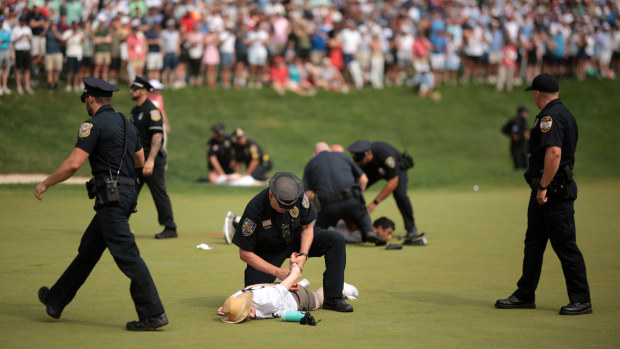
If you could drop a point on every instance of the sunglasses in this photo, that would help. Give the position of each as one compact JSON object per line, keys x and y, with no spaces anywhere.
{"x":285,"y":205}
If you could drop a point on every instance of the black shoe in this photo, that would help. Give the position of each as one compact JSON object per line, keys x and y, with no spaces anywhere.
{"x":148,"y":324}
{"x":413,"y":239}
{"x":167,"y":234}
{"x":337,"y":304}
{"x":513,"y":302}
{"x":376,"y":239}
{"x":49,"y":308}
{"x":576,"y":309}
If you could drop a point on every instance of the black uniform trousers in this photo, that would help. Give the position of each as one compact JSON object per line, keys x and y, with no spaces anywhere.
{"x":403,"y":202}
{"x":110,"y":228}
{"x":352,"y":209}
{"x":555,"y":221}
{"x":260,"y":172}
{"x":327,"y":243}
{"x":518,"y":151}
{"x":157,"y":185}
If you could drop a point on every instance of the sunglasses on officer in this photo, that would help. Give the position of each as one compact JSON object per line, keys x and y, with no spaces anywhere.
{"x":83,"y":97}
{"x":287,"y":205}
{"x":358,"y":157}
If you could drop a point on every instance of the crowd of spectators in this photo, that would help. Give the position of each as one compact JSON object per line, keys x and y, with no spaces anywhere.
{"x":304,"y":45}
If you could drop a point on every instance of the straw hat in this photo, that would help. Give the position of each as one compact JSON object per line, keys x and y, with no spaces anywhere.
{"x":237,"y":309}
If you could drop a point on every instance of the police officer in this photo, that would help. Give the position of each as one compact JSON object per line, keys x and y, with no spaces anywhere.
{"x":219,"y":154}
{"x":551,"y":214}
{"x":380,"y":160}
{"x":111,"y":145}
{"x":518,"y":131}
{"x":278,"y":223}
{"x":148,"y":120}
{"x":336,"y":183}
{"x":250,"y":154}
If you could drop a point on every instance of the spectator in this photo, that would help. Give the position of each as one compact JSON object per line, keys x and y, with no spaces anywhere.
{"x":171,"y":42}
{"x":88,"y":50}
{"x":195,"y":43}
{"x":227,"y":40}
{"x":278,"y":72}
{"x":257,"y":53}
{"x":155,"y":57}
{"x":119,"y":35}
{"x":73,"y":39}
{"x":403,"y":42}
{"x":102,"y":40}
{"x":211,"y":58}
{"x":329,"y":77}
{"x":136,"y":50}
{"x":242,"y":43}
{"x":73,"y":8}
{"x":6,"y":56}
{"x":53,"y":56}
{"x":36,"y":21}
{"x":21,"y":37}
{"x":377,"y":61}
{"x":507,"y":66}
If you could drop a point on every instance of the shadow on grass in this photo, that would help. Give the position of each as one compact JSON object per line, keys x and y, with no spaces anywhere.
{"x":38,"y":314}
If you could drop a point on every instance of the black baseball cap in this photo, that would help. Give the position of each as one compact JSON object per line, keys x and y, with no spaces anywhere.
{"x":97,"y":88}
{"x":218,"y":129}
{"x":544,"y":83}
{"x":287,"y":188}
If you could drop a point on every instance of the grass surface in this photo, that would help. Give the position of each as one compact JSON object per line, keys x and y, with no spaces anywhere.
{"x":437,"y":296}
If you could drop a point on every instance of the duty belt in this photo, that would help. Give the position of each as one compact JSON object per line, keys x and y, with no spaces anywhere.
{"x":347,"y":193}
{"x":101,"y":181}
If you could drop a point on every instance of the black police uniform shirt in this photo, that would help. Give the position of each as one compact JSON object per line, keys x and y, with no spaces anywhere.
{"x":554,"y":126}
{"x":102,"y":137}
{"x":330,"y":173}
{"x":148,"y":121}
{"x":516,"y":126}
{"x":223,"y":153}
{"x":384,"y":164}
{"x":260,"y":229}
{"x":248,"y":152}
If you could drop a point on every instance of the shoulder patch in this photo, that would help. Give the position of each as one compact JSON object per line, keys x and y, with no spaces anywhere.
{"x":85,"y":129}
{"x":294,"y":212}
{"x":545,"y":123}
{"x":155,"y":115}
{"x":248,"y":227}
{"x":390,"y":162}
{"x":305,"y":202}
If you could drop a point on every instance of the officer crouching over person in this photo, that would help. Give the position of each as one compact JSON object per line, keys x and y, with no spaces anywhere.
{"x":551,"y":213}
{"x":148,"y":120}
{"x":380,"y":160}
{"x":111,"y":145}
{"x":278,"y":223}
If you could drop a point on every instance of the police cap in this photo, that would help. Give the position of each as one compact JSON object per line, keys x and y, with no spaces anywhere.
{"x":139,"y":83}
{"x":97,"y":88}
{"x":238,"y":133}
{"x":287,"y":188}
{"x":218,"y":129}
{"x":544,"y":83}
{"x":360,"y":146}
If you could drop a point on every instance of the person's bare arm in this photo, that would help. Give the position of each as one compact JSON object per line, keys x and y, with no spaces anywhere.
{"x":156,"y":141}
{"x":68,"y":167}
{"x":256,"y":262}
{"x":553,"y":155}
{"x":385,"y":192}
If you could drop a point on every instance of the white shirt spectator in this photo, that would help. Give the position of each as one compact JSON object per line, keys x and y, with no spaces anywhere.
{"x":73,"y":39}
{"x":351,"y":40}
{"x":227,"y":40}
{"x":21,"y":36}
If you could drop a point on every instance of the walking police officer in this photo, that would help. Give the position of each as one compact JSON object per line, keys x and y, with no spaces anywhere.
{"x":250,"y":154}
{"x":148,"y":120}
{"x":380,"y":160}
{"x":551,"y":214}
{"x":278,"y":223}
{"x":111,"y":145}
{"x":335,"y":184}
{"x":518,"y":131}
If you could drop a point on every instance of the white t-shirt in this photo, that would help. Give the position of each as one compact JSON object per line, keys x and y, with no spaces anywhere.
{"x":351,"y":40}
{"x":73,"y":39}
{"x":271,"y":301}
{"x":227,"y":40}
{"x":22,"y":44}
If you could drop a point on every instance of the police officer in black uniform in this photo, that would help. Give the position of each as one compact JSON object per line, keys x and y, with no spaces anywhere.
{"x":334,"y":182}
{"x":250,"y":154}
{"x":219,"y":154}
{"x":147,"y":118}
{"x":278,"y":223}
{"x":518,"y":131}
{"x":380,"y":160}
{"x":551,"y":214}
{"x":111,"y":145}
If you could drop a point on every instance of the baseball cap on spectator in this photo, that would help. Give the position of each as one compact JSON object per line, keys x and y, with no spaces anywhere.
{"x":544,"y":83}
{"x":287,"y":188}
{"x":170,"y":22}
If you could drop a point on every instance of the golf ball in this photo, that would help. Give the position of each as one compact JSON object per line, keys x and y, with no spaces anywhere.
{"x":476,"y":187}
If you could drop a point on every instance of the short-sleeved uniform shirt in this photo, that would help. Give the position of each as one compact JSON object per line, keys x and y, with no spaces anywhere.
{"x":222,"y":151}
{"x":384,"y":164}
{"x":263,"y":230}
{"x":249,"y":151}
{"x":330,"y":173}
{"x":554,"y":126}
{"x":148,"y":121}
{"x":102,"y":137}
